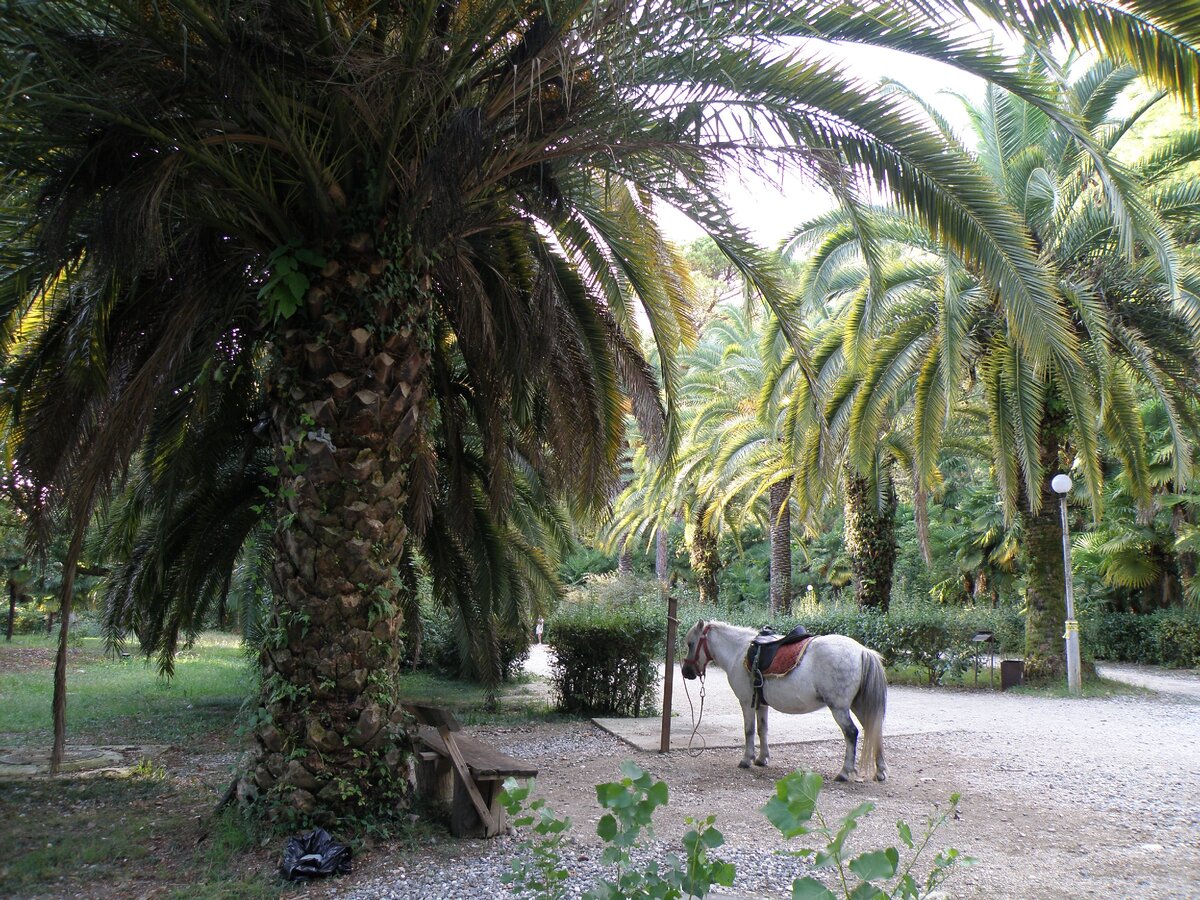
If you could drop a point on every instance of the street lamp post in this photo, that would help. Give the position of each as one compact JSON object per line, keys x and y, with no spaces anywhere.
{"x":1062,"y":486}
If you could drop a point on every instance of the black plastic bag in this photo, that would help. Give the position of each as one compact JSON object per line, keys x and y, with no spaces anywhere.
{"x":313,"y":855}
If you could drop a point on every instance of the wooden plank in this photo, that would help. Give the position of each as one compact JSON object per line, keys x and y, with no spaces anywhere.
{"x":468,"y":782}
{"x":434,"y":716}
{"x":483,"y":761}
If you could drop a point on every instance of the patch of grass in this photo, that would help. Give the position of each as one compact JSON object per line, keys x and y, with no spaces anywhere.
{"x":918,"y":676}
{"x":88,"y":829}
{"x":105,"y":835}
{"x":1091,"y":687}
{"x":518,"y":700}
{"x":126,"y":700}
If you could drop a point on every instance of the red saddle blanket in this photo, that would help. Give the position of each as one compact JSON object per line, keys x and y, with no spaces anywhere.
{"x":786,"y":658}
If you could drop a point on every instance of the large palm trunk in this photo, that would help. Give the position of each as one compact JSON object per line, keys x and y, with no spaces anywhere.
{"x":870,"y":538}
{"x":348,"y":406}
{"x":661,"y":555}
{"x":1045,"y":589}
{"x":781,"y":547}
{"x":705,"y":560}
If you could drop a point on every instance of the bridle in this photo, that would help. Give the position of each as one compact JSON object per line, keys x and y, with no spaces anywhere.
{"x":694,"y":659}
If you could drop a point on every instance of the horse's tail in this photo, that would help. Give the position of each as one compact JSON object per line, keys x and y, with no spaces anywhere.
{"x":870,"y":705}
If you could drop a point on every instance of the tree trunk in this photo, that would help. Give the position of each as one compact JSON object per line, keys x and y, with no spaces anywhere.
{"x":1045,"y":587}
{"x":781,"y":547}
{"x":348,"y":408}
{"x":921,"y":518}
{"x":59,"y":703}
{"x":12,"y":607}
{"x":661,"y":557}
{"x":870,"y":538}
{"x":706,"y":562}
{"x":625,"y":561}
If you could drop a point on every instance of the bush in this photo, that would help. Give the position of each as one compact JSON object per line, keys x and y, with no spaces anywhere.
{"x":445,"y":647}
{"x":1169,"y":637}
{"x":606,"y":656}
{"x":28,"y":620}
{"x":1178,"y":638}
{"x":1118,"y":636}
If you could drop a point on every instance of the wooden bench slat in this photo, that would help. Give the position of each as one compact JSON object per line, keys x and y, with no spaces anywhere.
{"x":483,"y":761}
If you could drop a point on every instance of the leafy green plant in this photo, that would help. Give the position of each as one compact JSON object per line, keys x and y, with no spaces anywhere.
{"x":287,"y":283}
{"x":539,"y":867}
{"x":606,"y":656}
{"x":793,"y":809}
{"x":631,"y":803}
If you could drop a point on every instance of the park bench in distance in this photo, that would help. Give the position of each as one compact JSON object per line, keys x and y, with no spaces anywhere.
{"x":463,"y":772}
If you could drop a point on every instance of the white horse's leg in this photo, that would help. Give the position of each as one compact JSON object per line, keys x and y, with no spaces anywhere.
{"x":850,"y":732}
{"x":764,"y":754}
{"x":748,"y":721}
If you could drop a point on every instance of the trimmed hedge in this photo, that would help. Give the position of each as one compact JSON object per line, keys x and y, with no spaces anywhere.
{"x":1168,"y":637}
{"x":606,"y":657}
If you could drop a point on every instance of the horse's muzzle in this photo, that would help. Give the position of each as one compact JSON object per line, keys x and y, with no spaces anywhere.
{"x":688,"y":671}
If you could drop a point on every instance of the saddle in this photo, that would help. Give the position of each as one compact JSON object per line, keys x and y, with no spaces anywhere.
{"x":764,"y":657}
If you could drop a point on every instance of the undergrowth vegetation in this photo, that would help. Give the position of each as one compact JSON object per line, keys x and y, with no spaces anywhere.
{"x":627,"y":825}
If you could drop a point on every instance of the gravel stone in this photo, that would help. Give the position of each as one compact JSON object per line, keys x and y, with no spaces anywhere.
{"x":1061,"y":798}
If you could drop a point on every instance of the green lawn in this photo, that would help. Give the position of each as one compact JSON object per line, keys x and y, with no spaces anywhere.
{"x":124,"y":835}
{"x":124,"y":699}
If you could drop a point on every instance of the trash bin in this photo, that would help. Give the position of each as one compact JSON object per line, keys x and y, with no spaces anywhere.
{"x":1012,"y":673}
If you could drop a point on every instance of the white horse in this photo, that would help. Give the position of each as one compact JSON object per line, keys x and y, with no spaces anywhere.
{"x":835,"y":671}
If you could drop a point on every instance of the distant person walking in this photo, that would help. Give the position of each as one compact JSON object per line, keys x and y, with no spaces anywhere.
{"x":541,"y":623}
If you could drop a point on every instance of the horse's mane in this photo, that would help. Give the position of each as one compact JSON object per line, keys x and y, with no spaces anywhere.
{"x":742,"y":629}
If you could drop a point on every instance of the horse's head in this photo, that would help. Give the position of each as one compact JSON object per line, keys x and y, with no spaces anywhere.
{"x":698,"y":653}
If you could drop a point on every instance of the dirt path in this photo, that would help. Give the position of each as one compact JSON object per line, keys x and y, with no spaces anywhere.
{"x":1060,"y":797}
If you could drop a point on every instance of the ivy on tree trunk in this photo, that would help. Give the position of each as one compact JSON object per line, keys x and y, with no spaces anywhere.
{"x":870,"y":537}
{"x":706,"y":561}
{"x":348,"y":407}
{"x":781,"y":547}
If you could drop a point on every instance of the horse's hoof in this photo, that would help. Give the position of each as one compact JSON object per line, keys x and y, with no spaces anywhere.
{"x":743,"y":765}
{"x":881,"y":776}
{"x":841,"y":776}
{"x":760,"y":762}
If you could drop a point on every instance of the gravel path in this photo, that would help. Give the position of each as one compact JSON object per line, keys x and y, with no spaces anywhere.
{"x":1095,"y":797}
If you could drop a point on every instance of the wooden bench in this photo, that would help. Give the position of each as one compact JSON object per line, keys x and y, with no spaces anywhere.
{"x":464,"y":772}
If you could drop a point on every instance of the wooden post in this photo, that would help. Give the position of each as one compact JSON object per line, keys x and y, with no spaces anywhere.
{"x":664,"y":743}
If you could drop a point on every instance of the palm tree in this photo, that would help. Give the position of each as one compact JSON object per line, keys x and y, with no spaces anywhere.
{"x":424,"y":228}
{"x":1123,"y":327}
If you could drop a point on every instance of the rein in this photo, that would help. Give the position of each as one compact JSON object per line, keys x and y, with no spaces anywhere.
{"x":696,"y":719}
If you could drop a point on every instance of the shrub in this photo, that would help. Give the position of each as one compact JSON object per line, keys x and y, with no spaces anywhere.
{"x":1118,"y":636}
{"x":1169,"y":637}
{"x":445,"y":647}
{"x":1178,"y":638}
{"x":28,"y":619}
{"x":606,"y":656}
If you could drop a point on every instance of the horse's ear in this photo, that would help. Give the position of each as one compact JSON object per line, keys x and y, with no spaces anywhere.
{"x":700,"y":624}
